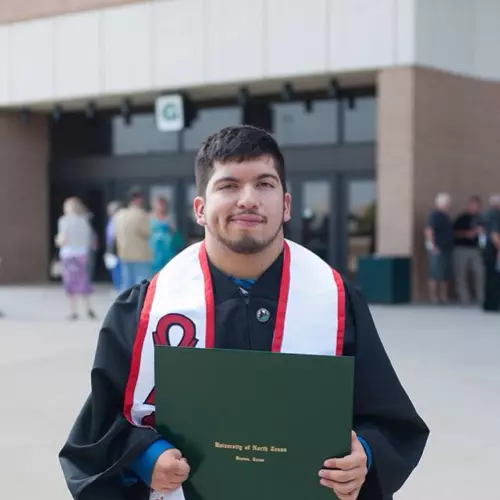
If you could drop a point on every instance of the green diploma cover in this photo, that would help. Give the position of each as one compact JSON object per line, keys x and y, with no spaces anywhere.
{"x":254,"y":425}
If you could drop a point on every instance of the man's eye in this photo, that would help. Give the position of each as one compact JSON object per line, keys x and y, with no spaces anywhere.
{"x":227,"y":186}
{"x":266,"y":185}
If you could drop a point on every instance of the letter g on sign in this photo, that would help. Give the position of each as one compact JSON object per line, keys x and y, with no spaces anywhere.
{"x":161,"y":335}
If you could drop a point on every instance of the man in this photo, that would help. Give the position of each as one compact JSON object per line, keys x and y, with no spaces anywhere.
{"x":492,"y":256}
{"x":467,"y":254}
{"x":244,"y":287}
{"x":132,"y":232}
{"x":439,"y":244}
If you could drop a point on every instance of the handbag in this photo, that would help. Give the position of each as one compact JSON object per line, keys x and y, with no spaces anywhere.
{"x":55,"y":269}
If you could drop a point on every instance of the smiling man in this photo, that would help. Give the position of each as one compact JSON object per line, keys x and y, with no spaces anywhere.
{"x":238,"y":289}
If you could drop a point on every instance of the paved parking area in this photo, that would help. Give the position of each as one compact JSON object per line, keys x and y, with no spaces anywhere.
{"x":448,"y":359}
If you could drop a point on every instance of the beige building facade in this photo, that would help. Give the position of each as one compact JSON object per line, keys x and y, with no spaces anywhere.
{"x":429,"y":71}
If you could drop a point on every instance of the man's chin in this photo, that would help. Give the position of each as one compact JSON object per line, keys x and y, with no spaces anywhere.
{"x":246,"y":246}
{"x":245,"y":242}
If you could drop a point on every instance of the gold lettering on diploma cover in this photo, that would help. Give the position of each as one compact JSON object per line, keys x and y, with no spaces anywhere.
{"x":251,"y":448}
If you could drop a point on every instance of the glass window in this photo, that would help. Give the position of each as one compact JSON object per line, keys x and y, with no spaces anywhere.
{"x":360,"y":120}
{"x":296,"y":125}
{"x":210,"y":120}
{"x":141,"y":136}
{"x":362,"y":196}
{"x":316,"y":216}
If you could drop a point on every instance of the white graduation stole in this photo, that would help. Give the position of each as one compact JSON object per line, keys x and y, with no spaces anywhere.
{"x":179,"y":311}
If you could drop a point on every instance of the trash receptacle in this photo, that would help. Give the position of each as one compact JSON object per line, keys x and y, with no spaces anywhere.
{"x":385,"y":280}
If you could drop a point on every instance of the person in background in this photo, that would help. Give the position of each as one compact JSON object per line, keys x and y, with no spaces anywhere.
{"x":166,"y":241}
{"x":492,"y":255}
{"x":133,"y":232}
{"x":111,"y":259}
{"x":439,"y":245}
{"x":74,"y":240}
{"x":467,"y":255}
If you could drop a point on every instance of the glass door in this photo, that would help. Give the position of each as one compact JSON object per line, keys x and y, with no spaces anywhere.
{"x":313,"y":214}
{"x":315,"y":217}
{"x":334,"y":216}
{"x":360,"y":220}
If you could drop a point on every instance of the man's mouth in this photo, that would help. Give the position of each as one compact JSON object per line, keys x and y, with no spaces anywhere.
{"x":247,"y":220}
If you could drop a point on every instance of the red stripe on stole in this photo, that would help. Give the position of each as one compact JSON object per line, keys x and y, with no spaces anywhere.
{"x":279,"y":326}
{"x":341,"y":312}
{"x":135,"y":363}
{"x":209,"y":298}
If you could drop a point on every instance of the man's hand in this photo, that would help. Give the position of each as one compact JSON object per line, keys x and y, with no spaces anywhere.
{"x":170,"y":471}
{"x":345,"y":476}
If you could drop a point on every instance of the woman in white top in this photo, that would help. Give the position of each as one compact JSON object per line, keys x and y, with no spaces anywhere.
{"x":75,"y":239}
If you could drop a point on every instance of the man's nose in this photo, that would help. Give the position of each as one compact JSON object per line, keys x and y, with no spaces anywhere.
{"x":248,"y":198}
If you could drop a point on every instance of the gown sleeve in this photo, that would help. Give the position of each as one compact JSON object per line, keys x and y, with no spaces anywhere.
{"x":384,"y":415}
{"x":102,"y":443}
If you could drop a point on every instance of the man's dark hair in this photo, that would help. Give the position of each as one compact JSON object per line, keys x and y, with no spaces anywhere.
{"x":237,"y":143}
{"x":475,"y":199}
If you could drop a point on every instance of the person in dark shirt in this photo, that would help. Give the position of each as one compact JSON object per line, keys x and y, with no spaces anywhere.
{"x":241,"y":284}
{"x":439,"y":244}
{"x":492,"y":256}
{"x":467,"y":255}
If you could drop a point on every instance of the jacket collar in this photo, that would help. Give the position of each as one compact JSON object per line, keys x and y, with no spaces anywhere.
{"x":266,"y":286}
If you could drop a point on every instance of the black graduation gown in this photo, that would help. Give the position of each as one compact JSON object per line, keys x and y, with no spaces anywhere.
{"x":102,"y":443}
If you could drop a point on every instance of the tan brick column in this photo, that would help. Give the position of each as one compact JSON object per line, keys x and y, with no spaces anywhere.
{"x":395,"y":162}
{"x":24,"y":238}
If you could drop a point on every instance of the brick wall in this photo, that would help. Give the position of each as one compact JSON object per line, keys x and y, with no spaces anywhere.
{"x":24,"y":238}
{"x":438,"y":132}
{"x":21,"y":10}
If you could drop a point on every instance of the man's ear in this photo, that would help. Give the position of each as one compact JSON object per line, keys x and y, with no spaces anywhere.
{"x":287,"y":213}
{"x":199,"y":210}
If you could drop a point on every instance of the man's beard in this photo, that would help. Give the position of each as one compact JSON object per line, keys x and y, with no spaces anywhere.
{"x":247,"y":244}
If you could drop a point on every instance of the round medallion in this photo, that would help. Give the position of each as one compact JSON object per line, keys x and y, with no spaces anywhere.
{"x":263,"y":315}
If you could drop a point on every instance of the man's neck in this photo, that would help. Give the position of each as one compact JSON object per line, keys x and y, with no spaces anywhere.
{"x":240,"y":265}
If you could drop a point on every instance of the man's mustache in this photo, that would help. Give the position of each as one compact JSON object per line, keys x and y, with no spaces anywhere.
{"x":248,"y":212}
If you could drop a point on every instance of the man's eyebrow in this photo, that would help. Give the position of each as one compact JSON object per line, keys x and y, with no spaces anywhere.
{"x":268,"y":176}
{"x":226,"y":179}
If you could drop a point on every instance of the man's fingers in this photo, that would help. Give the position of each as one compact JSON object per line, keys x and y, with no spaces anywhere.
{"x":328,"y":484}
{"x":175,"y":483}
{"x":172,"y":484}
{"x":339,"y":476}
{"x":345,"y":490}
{"x":356,"y":445}
{"x":351,"y":496}
{"x":183,"y":468}
{"x":175,"y":453}
{"x":346,"y":463}
{"x":356,"y":459}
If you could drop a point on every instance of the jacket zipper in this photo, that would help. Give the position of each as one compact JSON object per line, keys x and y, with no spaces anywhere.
{"x":246,"y":298}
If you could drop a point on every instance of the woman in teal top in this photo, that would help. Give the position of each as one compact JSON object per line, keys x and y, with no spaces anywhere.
{"x":165,"y":241}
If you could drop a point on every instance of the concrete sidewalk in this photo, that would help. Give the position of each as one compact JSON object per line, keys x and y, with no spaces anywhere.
{"x":448,"y":360}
